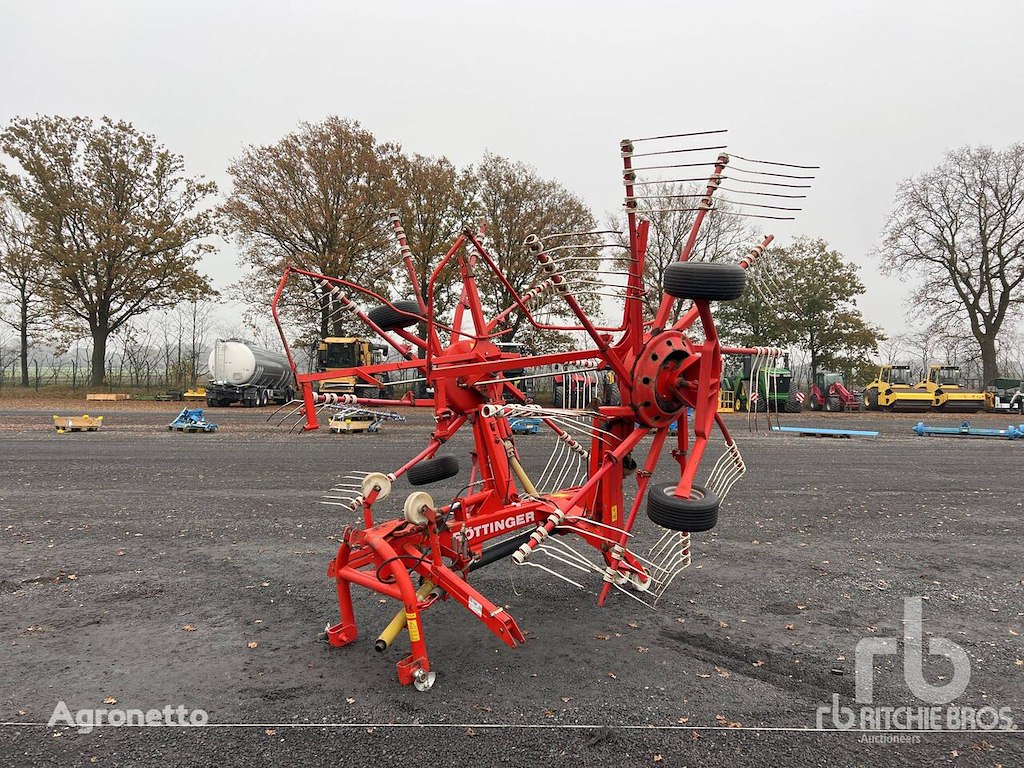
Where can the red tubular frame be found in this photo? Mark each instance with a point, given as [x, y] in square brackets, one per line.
[440, 543]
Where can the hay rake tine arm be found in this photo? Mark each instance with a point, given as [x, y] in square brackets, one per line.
[661, 318]
[632, 310]
[536, 292]
[406, 251]
[614, 458]
[337, 281]
[643, 480]
[536, 246]
[335, 284]
[522, 305]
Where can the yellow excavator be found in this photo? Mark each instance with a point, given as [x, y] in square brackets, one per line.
[893, 389]
[336, 352]
[943, 384]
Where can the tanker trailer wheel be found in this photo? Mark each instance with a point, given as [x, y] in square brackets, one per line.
[389, 319]
[704, 280]
[432, 470]
[697, 513]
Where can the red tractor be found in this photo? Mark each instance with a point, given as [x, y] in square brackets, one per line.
[829, 393]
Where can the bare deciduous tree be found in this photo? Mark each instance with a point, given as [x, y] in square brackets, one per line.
[23, 278]
[961, 228]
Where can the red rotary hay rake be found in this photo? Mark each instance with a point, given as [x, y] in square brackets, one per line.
[663, 366]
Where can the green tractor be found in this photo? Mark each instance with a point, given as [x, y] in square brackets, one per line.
[775, 391]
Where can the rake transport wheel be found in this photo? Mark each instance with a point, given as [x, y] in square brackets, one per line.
[393, 320]
[433, 470]
[704, 280]
[695, 514]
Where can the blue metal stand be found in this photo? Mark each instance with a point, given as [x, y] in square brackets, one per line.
[191, 420]
[966, 430]
[524, 426]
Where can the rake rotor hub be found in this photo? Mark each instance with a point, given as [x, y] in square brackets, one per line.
[659, 389]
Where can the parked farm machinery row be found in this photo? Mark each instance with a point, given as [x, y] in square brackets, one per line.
[893, 389]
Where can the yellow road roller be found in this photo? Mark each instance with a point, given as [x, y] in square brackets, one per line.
[894, 390]
[944, 384]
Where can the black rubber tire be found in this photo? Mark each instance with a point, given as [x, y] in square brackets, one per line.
[812, 402]
[871, 400]
[432, 470]
[614, 395]
[212, 403]
[389, 319]
[693, 514]
[761, 405]
[704, 280]
[834, 404]
[558, 398]
[793, 404]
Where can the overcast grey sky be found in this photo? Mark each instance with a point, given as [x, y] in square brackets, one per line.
[872, 91]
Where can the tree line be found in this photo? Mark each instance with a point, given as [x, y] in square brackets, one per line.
[100, 224]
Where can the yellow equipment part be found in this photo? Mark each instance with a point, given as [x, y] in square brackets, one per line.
[726, 401]
[906, 400]
[338, 352]
[892, 390]
[943, 384]
[397, 624]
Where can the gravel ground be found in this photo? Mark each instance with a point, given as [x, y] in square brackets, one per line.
[141, 565]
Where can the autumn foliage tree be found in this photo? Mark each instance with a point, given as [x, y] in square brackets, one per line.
[435, 201]
[113, 214]
[317, 199]
[960, 228]
[805, 295]
[515, 202]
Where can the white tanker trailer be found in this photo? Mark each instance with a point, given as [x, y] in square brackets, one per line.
[241, 372]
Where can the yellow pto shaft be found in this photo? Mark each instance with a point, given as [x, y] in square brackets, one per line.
[397, 624]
